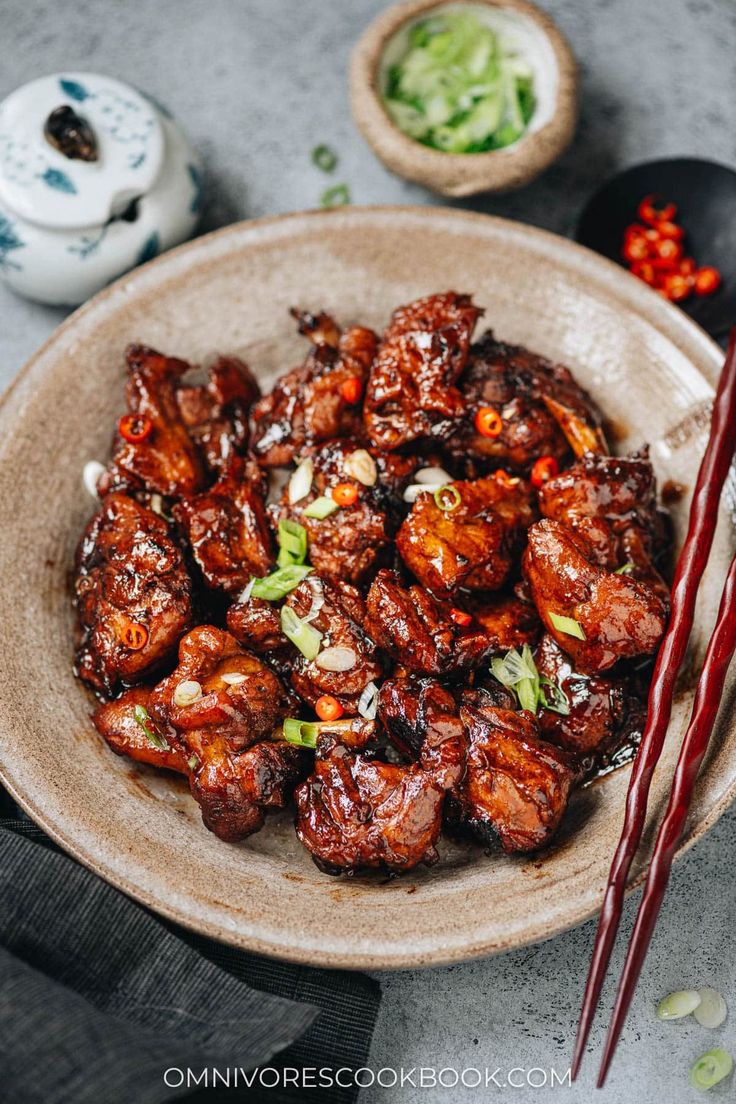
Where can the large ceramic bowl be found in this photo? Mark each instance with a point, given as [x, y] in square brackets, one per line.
[649, 366]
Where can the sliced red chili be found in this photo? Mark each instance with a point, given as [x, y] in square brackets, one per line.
[707, 280]
[345, 494]
[328, 708]
[668, 229]
[676, 287]
[645, 270]
[460, 617]
[666, 250]
[135, 428]
[635, 248]
[650, 210]
[489, 422]
[134, 635]
[546, 467]
[352, 389]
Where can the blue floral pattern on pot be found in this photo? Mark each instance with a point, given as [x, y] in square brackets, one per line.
[78, 225]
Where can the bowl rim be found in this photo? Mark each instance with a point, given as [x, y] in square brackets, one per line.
[499, 169]
[623, 287]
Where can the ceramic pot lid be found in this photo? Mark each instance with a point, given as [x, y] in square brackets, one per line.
[40, 183]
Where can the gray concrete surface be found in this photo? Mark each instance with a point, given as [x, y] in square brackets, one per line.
[258, 84]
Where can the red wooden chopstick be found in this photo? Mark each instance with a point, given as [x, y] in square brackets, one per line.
[690, 566]
[705, 709]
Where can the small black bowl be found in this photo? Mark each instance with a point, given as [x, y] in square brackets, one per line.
[705, 194]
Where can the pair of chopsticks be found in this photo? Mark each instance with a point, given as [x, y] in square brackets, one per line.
[690, 566]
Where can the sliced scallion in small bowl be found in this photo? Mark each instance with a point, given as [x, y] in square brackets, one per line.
[460, 86]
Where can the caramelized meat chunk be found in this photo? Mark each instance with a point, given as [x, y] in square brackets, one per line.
[116, 721]
[619, 617]
[423, 722]
[165, 460]
[355, 812]
[604, 712]
[235, 790]
[256, 624]
[509, 621]
[516, 786]
[227, 527]
[612, 501]
[216, 414]
[351, 542]
[412, 392]
[513, 381]
[133, 594]
[419, 631]
[470, 541]
[340, 620]
[219, 687]
[307, 405]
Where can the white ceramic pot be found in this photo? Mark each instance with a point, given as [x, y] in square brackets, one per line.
[70, 224]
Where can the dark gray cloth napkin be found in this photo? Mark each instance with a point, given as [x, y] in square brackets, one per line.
[98, 998]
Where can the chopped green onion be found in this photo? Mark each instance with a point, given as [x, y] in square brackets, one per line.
[292, 540]
[301, 733]
[300, 483]
[142, 717]
[712, 1010]
[440, 497]
[676, 1005]
[303, 635]
[193, 762]
[518, 672]
[324, 157]
[336, 196]
[567, 625]
[459, 87]
[279, 583]
[710, 1068]
[553, 697]
[625, 569]
[321, 508]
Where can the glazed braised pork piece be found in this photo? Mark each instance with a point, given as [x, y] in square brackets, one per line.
[152, 450]
[516, 785]
[354, 812]
[412, 391]
[216, 414]
[234, 790]
[133, 594]
[467, 535]
[320, 399]
[614, 616]
[349, 544]
[441, 611]
[514, 382]
[423, 634]
[227, 528]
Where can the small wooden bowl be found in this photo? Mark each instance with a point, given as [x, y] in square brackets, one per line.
[463, 174]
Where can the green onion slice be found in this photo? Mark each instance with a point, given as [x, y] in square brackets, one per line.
[324, 157]
[625, 569]
[336, 196]
[710, 1068]
[440, 496]
[676, 1005]
[279, 583]
[518, 672]
[459, 86]
[301, 733]
[567, 625]
[292, 540]
[193, 762]
[321, 508]
[712, 1010]
[301, 634]
[142, 717]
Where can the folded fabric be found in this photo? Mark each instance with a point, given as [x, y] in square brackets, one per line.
[98, 998]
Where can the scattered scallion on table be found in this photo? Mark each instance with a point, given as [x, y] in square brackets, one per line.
[460, 87]
[711, 1068]
[324, 157]
[336, 196]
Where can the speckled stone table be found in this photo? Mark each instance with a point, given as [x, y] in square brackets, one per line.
[258, 83]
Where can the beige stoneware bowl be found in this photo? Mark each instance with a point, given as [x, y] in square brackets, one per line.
[650, 367]
[463, 174]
